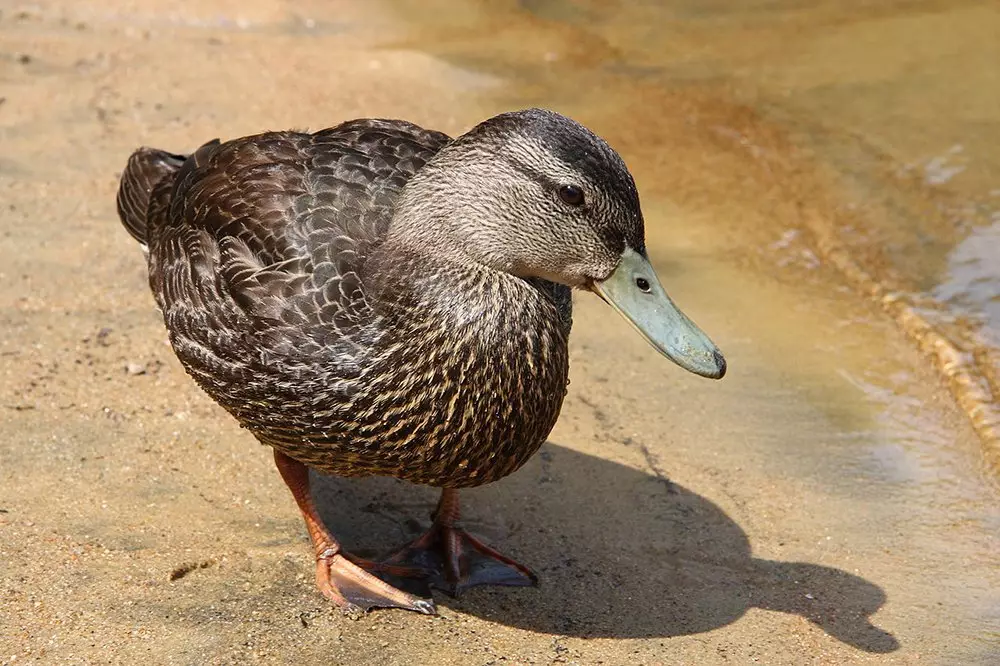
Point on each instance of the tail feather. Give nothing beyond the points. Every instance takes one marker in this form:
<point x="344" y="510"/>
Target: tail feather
<point x="146" y="167"/>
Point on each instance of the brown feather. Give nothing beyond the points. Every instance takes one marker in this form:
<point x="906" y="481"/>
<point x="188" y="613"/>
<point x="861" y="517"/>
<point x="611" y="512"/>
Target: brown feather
<point x="289" y="302"/>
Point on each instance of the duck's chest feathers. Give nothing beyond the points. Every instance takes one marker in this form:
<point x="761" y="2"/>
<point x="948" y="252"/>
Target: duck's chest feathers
<point x="463" y="383"/>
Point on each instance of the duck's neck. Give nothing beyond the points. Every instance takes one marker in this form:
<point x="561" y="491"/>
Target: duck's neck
<point x="443" y="211"/>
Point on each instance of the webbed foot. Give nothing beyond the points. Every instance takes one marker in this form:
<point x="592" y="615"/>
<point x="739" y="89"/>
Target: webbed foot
<point x="454" y="559"/>
<point x="344" y="579"/>
<point x="352" y="588"/>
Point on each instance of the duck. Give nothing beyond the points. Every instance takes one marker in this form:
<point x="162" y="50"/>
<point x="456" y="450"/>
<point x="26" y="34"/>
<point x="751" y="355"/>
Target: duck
<point x="381" y="299"/>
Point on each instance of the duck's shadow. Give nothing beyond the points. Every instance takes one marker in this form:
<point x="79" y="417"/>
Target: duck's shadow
<point x="620" y="553"/>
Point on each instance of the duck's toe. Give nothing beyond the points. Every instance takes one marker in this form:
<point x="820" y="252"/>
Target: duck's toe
<point x="459" y="561"/>
<point x="353" y="589"/>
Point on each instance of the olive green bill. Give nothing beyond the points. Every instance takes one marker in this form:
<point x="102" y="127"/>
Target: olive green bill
<point x="636" y="293"/>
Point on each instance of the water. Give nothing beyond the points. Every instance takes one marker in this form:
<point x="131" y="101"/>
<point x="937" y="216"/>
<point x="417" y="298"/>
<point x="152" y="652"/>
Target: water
<point x="878" y="122"/>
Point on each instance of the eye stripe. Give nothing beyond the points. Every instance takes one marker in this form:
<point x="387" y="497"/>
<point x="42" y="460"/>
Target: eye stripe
<point x="535" y="175"/>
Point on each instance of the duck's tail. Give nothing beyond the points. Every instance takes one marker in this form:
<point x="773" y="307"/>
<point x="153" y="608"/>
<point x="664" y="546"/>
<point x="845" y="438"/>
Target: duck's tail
<point x="146" y="167"/>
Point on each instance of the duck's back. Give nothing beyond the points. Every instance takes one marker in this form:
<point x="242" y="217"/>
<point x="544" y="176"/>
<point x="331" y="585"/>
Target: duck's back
<point x="280" y="207"/>
<point x="258" y="243"/>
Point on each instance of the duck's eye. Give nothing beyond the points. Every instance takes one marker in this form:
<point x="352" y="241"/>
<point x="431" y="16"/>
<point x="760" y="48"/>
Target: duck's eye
<point x="571" y="194"/>
<point x="643" y="285"/>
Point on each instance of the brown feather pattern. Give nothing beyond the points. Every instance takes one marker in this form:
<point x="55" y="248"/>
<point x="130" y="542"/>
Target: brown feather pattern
<point x="282" y="298"/>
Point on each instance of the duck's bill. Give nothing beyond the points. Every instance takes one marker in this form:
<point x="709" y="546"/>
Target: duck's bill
<point x="635" y="292"/>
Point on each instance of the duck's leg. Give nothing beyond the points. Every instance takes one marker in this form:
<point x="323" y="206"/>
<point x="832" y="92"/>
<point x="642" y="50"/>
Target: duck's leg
<point x="341" y="577"/>
<point x="458" y="559"/>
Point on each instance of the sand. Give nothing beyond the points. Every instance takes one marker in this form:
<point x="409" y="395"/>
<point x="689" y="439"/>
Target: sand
<point x="825" y="503"/>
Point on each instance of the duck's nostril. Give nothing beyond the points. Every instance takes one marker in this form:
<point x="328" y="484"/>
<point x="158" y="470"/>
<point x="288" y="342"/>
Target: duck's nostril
<point x="643" y="284"/>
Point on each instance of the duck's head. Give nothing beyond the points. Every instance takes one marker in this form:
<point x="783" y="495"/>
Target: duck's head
<point x="538" y="195"/>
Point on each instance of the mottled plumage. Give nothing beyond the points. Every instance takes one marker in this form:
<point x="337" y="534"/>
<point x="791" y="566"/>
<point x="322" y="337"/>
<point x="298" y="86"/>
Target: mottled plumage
<point x="264" y="256"/>
<point x="379" y="299"/>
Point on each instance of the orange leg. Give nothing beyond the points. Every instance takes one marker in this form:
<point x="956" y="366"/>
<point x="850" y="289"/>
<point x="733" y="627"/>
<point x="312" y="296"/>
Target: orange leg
<point x="342" y="578"/>
<point x="458" y="559"/>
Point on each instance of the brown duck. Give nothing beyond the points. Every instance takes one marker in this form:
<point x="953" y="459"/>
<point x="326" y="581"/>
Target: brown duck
<point x="380" y="299"/>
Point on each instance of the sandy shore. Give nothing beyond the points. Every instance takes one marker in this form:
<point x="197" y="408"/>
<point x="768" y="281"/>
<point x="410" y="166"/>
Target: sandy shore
<point x="825" y="503"/>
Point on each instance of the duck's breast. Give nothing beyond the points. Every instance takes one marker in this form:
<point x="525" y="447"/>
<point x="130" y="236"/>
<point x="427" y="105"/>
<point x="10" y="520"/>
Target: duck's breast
<point x="463" y="385"/>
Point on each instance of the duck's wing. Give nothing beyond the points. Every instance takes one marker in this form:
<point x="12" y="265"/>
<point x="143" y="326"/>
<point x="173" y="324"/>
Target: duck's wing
<point x="256" y="245"/>
<point x="267" y="234"/>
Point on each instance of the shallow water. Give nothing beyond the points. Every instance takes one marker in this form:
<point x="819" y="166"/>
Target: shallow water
<point x="847" y="143"/>
<point x="877" y="123"/>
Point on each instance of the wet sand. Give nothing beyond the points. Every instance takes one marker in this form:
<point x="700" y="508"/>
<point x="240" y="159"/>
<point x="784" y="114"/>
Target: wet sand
<point x="827" y="502"/>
